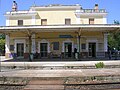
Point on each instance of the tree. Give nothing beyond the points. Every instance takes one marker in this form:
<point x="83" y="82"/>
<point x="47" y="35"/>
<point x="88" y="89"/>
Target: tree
<point x="2" y="43"/>
<point x="116" y="22"/>
<point x="114" y="38"/>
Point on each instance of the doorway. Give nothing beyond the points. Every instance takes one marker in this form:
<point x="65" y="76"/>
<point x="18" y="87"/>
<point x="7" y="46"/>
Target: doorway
<point x="43" y="50"/>
<point x="68" y="50"/>
<point x="92" y="49"/>
<point x="20" y="49"/>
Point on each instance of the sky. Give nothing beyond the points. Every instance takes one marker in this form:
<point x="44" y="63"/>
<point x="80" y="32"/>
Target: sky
<point x="111" y="6"/>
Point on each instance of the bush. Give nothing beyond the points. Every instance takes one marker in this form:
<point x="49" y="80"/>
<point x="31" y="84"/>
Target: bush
<point x="99" y="65"/>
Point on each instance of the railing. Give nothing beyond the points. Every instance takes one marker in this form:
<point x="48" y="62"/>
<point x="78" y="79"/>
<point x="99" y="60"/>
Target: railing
<point x="20" y="12"/>
<point x="91" y="11"/>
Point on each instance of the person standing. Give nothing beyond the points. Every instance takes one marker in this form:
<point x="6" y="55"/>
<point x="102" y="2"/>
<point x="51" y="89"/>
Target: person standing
<point x="75" y="53"/>
<point x="109" y="52"/>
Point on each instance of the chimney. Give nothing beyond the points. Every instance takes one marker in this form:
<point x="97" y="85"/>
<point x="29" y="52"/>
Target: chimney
<point x="96" y="7"/>
<point x="14" y="6"/>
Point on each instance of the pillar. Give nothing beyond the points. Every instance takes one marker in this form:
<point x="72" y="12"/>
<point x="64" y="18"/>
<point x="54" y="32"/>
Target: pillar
<point x="7" y="46"/>
<point x="79" y="43"/>
<point x="7" y="21"/>
<point x="33" y="47"/>
<point x="105" y="42"/>
<point x="104" y="20"/>
<point x="78" y="19"/>
<point x="33" y="20"/>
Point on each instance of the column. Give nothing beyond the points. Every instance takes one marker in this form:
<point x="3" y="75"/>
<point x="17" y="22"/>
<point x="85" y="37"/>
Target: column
<point x="33" y="20"/>
<point x="79" y="43"/>
<point x="78" y="16"/>
<point x="7" y="21"/>
<point x="7" y="46"/>
<point x="78" y="19"/>
<point x="33" y="44"/>
<point x="104" y="20"/>
<point x="105" y="42"/>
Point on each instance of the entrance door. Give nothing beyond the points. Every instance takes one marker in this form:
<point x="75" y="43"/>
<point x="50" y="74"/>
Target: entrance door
<point x="92" y="49"/>
<point x="43" y="49"/>
<point x="68" y="50"/>
<point x="20" y="49"/>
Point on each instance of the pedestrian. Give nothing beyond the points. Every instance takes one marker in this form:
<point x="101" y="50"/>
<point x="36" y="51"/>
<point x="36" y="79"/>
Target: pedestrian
<point x="116" y="54"/>
<point x="109" y="53"/>
<point x="75" y="53"/>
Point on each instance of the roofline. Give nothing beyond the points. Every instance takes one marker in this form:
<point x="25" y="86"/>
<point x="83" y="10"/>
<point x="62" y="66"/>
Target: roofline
<point x="56" y="7"/>
<point x="60" y="26"/>
<point x="20" y="13"/>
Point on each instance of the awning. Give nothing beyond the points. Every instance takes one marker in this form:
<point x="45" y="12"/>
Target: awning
<point x="61" y="28"/>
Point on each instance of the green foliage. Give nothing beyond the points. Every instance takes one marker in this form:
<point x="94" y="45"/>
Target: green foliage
<point x="2" y="36"/>
<point x="99" y="65"/>
<point x="2" y="44"/>
<point x="116" y="22"/>
<point x="114" y="38"/>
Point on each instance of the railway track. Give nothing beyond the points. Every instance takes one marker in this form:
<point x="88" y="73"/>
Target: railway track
<point x="92" y="86"/>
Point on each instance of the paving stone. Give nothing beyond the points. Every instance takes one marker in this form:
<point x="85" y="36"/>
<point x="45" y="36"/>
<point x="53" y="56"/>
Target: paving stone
<point x="62" y="73"/>
<point x="44" y="87"/>
<point x="46" y="82"/>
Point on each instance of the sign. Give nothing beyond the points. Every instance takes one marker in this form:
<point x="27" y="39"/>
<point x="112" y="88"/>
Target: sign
<point x="65" y="36"/>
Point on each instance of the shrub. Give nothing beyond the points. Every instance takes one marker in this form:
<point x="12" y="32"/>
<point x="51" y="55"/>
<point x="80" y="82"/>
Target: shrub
<point x="99" y="65"/>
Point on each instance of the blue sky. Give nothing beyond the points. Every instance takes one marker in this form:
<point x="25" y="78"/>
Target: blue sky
<point x="112" y="6"/>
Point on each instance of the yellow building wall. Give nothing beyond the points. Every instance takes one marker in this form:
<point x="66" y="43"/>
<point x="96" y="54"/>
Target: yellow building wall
<point x="84" y="21"/>
<point x="26" y="20"/>
<point x="98" y="21"/>
<point x="54" y="37"/>
<point x="18" y="34"/>
<point x="101" y="43"/>
<point x="12" y="43"/>
<point x="13" y="22"/>
<point x="55" y="17"/>
<point x="87" y="33"/>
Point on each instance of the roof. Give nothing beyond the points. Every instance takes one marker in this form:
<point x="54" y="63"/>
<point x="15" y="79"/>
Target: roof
<point x="56" y="28"/>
